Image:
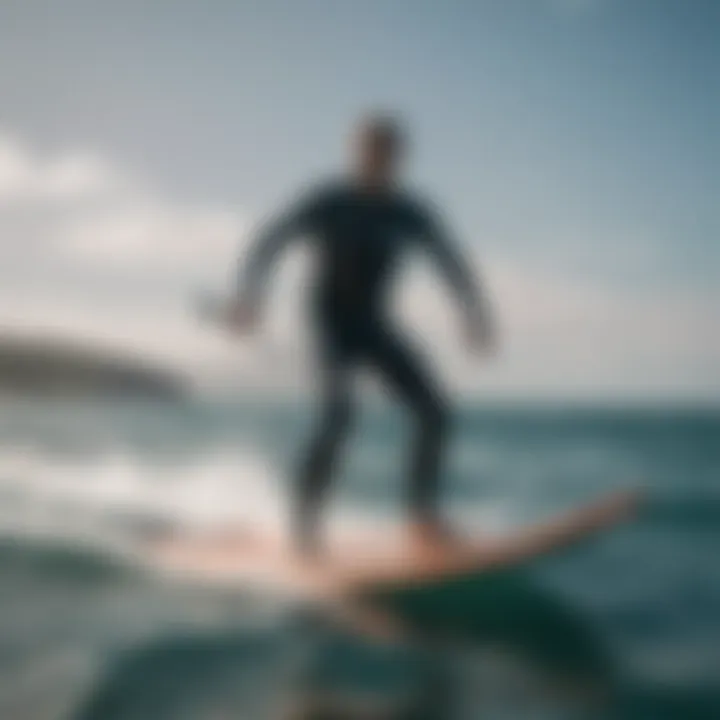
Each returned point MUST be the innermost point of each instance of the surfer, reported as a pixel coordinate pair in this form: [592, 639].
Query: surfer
[360, 227]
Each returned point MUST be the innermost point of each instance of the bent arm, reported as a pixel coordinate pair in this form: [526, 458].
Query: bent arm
[255, 269]
[452, 264]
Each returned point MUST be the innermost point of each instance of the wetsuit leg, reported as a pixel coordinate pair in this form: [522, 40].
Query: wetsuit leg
[406, 375]
[318, 465]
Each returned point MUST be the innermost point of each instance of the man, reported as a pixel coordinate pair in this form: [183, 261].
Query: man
[360, 227]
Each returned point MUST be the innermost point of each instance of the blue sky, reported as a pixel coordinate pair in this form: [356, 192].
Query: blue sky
[574, 144]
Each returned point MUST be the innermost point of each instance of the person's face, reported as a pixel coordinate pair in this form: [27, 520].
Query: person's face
[377, 159]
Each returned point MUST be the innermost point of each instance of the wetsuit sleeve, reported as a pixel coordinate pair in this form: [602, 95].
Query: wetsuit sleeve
[446, 255]
[272, 238]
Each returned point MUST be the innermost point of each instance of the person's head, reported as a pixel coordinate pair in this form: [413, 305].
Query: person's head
[379, 146]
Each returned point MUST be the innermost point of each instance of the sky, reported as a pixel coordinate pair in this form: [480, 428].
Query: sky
[573, 145]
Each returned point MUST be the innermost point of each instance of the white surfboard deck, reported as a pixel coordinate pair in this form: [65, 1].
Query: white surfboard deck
[378, 561]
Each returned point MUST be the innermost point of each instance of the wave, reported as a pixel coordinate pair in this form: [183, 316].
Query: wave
[120, 495]
[115, 501]
[69, 562]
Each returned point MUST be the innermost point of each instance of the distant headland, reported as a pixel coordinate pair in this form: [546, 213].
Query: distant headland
[42, 367]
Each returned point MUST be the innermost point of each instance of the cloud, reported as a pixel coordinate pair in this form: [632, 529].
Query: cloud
[92, 252]
[27, 175]
[151, 235]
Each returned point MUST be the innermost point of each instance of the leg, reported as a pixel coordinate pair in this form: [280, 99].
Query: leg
[405, 374]
[321, 456]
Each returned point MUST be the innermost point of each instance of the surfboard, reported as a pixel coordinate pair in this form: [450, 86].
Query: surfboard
[381, 562]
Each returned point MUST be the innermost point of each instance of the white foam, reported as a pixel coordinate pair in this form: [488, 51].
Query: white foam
[46, 492]
[116, 496]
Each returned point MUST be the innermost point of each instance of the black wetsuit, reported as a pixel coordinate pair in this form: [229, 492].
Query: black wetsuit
[359, 237]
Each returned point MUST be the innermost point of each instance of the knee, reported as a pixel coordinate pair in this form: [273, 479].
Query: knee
[434, 415]
[337, 419]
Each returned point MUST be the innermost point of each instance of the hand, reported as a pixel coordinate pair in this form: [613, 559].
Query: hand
[242, 318]
[481, 335]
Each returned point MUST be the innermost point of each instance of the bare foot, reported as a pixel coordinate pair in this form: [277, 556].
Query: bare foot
[306, 547]
[432, 536]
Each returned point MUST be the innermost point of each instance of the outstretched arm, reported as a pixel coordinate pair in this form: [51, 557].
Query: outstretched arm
[255, 269]
[454, 267]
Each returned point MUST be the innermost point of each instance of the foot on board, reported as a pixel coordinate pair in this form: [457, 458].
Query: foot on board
[432, 537]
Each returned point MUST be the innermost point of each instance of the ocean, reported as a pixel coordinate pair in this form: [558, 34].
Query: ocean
[624, 626]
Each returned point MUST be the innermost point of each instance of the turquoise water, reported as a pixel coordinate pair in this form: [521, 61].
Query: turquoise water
[627, 626]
